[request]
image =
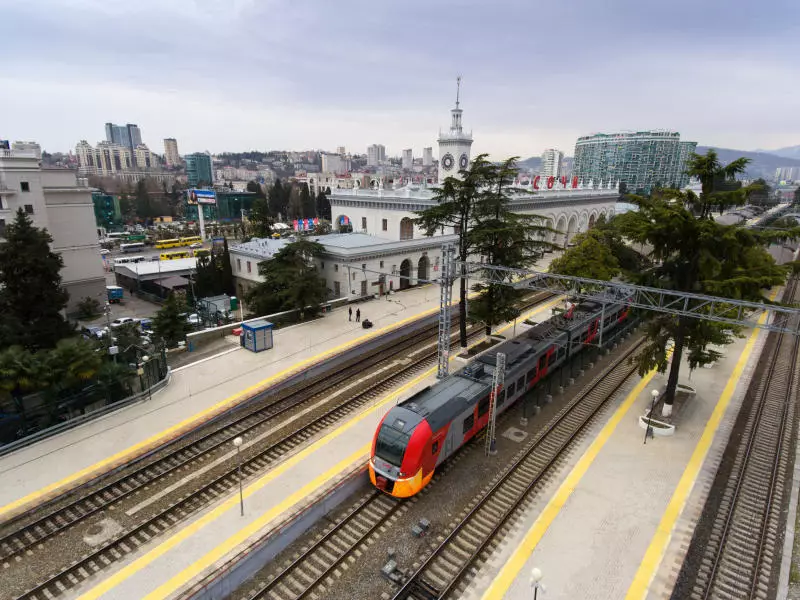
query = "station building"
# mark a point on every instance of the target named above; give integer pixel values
(354, 265)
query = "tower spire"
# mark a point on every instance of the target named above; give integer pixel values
(458, 89)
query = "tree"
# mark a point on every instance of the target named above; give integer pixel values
(31, 296)
(323, 206)
(20, 374)
(260, 219)
(170, 322)
(796, 196)
(291, 281)
(88, 308)
(455, 207)
(502, 238)
(760, 192)
(307, 202)
(694, 254)
(255, 187)
(719, 188)
(295, 208)
(590, 257)
(227, 283)
(277, 199)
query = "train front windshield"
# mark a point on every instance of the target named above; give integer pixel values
(391, 445)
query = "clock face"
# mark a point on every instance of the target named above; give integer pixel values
(463, 161)
(448, 161)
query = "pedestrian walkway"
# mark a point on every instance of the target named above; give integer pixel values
(615, 523)
(194, 549)
(196, 393)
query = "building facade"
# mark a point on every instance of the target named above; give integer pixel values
(107, 213)
(171, 156)
(128, 135)
(641, 160)
(454, 145)
(354, 265)
(427, 157)
(552, 161)
(376, 155)
(408, 159)
(55, 200)
(198, 169)
(229, 206)
(335, 163)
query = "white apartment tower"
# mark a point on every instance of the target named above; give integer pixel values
(427, 157)
(454, 145)
(552, 160)
(408, 158)
(55, 200)
(376, 154)
(171, 156)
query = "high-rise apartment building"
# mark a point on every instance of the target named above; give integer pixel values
(54, 199)
(552, 161)
(376, 154)
(427, 157)
(408, 158)
(198, 169)
(109, 158)
(340, 150)
(641, 160)
(128, 135)
(171, 156)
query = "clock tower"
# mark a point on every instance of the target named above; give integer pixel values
(454, 145)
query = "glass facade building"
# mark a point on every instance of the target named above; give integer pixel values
(229, 207)
(641, 160)
(198, 169)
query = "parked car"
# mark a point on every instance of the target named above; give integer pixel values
(104, 251)
(196, 245)
(93, 332)
(194, 319)
(122, 321)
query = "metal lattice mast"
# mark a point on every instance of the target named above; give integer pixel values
(445, 300)
(498, 381)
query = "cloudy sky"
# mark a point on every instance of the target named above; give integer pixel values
(298, 74)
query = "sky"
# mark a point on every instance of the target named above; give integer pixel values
(235, 75)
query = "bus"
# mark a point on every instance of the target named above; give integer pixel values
(173, 243)
(117, 235)
(201, 252)
(175, 255)
(122, 260)
(135, 247)
(188, 241)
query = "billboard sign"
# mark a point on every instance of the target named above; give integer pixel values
(202, 197)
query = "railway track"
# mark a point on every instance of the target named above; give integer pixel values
(308, 572)
(446, 571)
(175, 463)
(132, 538)
(739, 557)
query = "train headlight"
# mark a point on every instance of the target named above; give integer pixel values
(402, 474)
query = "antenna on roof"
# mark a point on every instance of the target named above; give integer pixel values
(458, 89)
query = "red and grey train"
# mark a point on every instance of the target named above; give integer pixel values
(420, 433)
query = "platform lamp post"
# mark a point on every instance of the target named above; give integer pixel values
(647, 432)
(536, 578)
(146, 358)
(238, 443)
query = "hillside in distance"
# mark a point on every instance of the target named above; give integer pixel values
(762, 164)
(788, 152)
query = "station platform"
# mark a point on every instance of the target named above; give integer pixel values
(195, 393)
(173, 562)
(616, 522)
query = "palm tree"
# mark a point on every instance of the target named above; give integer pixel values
(20, 373)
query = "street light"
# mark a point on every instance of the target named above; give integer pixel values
(647, 432)
(238, 443)
(145, 358)
(536, 577)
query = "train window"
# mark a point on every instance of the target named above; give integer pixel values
(435, 448)
(501, 398)
(562, 350)
(468, 424)
(391, 445)
(520, 384)
(511, 389)
(531, 375)
(483, 406)
(543, 362)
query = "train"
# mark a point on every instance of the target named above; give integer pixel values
(420, 433)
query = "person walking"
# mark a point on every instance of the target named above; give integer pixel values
(350, 314)
(358, 315)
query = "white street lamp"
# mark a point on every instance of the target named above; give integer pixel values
(536, 577)
(654, 395)
(238, 443)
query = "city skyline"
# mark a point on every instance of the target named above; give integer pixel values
(714, 85)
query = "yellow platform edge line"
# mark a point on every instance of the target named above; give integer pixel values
(658, 545)
(194, 420)
(185, 576)
(502, 582)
